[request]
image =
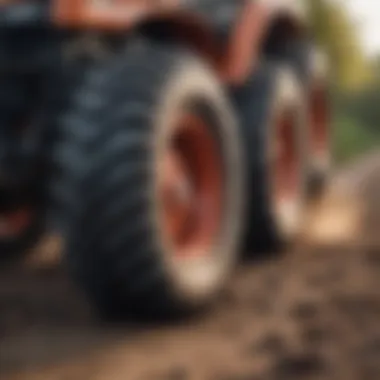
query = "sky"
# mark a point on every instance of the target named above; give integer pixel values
(367, 14)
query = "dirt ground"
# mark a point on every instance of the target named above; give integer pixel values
(310, 313)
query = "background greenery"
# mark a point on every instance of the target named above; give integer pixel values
(355, 85)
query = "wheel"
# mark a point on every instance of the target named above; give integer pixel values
(21, 224)
(19, 230)
(31, 96)
(320, 163)
(21, 210)
(311, 66)
(273, 116)
(156, 205)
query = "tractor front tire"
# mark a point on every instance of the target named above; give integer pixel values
(321, 144)
(156, 206)
(273, 118)
(310, 65)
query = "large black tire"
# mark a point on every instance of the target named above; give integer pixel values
(271, 90)
(117, 132)
(20, 173)
(34, 88)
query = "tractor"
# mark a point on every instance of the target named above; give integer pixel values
(160, 138)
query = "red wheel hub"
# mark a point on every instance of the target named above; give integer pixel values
(286, 159)
(13, 223)
(191, 187)
(319, 121)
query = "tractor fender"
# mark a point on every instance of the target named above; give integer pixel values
(257, 20)
(128, 16)
(188, 29)
(233, 61)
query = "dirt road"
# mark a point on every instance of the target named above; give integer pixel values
(312, 313)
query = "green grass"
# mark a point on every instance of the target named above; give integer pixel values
(351, 139)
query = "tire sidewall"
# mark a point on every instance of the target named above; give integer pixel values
(318, 75)
(197, 279)
(287, 93)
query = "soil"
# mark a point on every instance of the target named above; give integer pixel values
(310, 313)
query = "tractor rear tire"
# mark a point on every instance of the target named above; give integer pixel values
(22, 218)
(156, 206)
(273, 118)
(21, 227)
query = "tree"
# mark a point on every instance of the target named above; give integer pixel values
(335, 31)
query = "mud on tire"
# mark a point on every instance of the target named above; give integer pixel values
(120, 248)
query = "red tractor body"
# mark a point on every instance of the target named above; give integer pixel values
(158, 137)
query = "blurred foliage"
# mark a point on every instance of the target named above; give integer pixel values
(357, 114)
(355, 80)
(337, 34)
(351, 139)
(363, 107)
